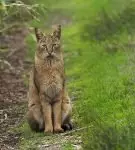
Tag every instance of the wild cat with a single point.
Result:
(48, 101)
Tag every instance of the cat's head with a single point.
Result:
(48, 44)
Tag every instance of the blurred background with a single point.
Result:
(98, 40)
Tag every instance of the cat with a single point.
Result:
(49, 106)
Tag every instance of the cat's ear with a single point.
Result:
(39, 34)
(57, 31)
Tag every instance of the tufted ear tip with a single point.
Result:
(38, 34)
(58, 26)
(36, 29)
(57, 31)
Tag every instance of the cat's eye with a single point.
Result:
(55, 46)
(43, 46)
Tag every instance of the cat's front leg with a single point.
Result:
(47, 114)
(56, 107)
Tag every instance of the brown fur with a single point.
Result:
(49, 104)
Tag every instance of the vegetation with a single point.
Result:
(14, 12)
(98, 43)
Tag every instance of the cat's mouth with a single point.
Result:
(50, 56)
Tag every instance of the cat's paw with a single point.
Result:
(48, 131)
(58, 130)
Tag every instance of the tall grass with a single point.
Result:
(101, 81)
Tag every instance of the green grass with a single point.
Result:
(100, 74)
(105, 96)
(34, 141)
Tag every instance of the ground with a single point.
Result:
(12, 88)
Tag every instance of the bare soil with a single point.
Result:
(12, 89)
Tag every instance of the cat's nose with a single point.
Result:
(50, 53)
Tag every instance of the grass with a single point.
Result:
(105, 97)
(34, 141)
(100, 75)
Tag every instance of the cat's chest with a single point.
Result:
(49, 77)
(51, 83)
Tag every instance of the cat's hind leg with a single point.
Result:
(66, 113)
(35, 118)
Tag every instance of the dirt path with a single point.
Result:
(12, 89)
